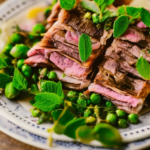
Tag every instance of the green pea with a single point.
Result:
(111, 118)
(11, 92)
(95, 18)
(73, 96)
(88, 15)
(88, 102)
(87, 113)
(35, 112)
(43, 72)
(123, 123)
(108, 104)
(133, 118)
(47, 12)
(38, 29)
(35, 78)
(82, 102)
(52, 75)
(27, 70)
(19, 51)
(121, 113)
(90, 120)
(16, 38)
(20, 63)
(7, 49)
(95, 99)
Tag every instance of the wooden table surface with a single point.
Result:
(8, 143)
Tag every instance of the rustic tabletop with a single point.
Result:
(7, 143)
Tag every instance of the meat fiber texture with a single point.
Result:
(118, 79)
(59, 47)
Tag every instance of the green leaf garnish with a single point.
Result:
(121, 25)
(99, 2)
(19, 81)
(4, 62)
(90, 5)
(108, 135)
(4, 80)
(67, 4)
(72, 126)
(134, 12)
(85, 134)
(85, 47)
(47, 101)
(34, 90)
(143, 68)
(52, 87)
(56, 113)
(145, 15)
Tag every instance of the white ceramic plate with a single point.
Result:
(18, 111)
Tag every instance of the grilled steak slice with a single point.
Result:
(133, 105)
(72, 83)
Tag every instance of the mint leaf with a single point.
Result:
(134, 12)
(85, 47)
(106, 16)
(99, 2)
(67, 4)
(63, 119)
(143, 68)
(34, 90)
(19, 81)
(52, 87)
(90, 5)
(121, 25)
(105, 4)
(145, 15)
(72, 126)
(122, 10)
(56, 113)
(4, 80)
(4, 62)
(47, 101)
(108, 135)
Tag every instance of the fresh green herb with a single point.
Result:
(52, 87)
(63, 75)
(90, 5)
(67, 5)
(99, 2)
(85, 47)
(72, 126)
(133, 12)
(19, 81)
(121, 25)
(85, 134)
(47, 101)
(143, 68)
(145, 15)
(4, 62)
(107, 135)
(4, 80)
(56, 113)
(34, 90)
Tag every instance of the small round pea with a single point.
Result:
(133, 118)
(90, 120)
(38, 29)
(52, 75)
(87, 113)
(43, 72)
(82, 102)
(7, 48)
(95, 18)
(27, 70)
(121, 113)
(10, 91)
(35, 112)
(95, 99)
(123, 123)
(111, 118)
(35, 78)
(19, 51)
(108, 104)
(16, 38)
(73, 96)
(20, 63)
